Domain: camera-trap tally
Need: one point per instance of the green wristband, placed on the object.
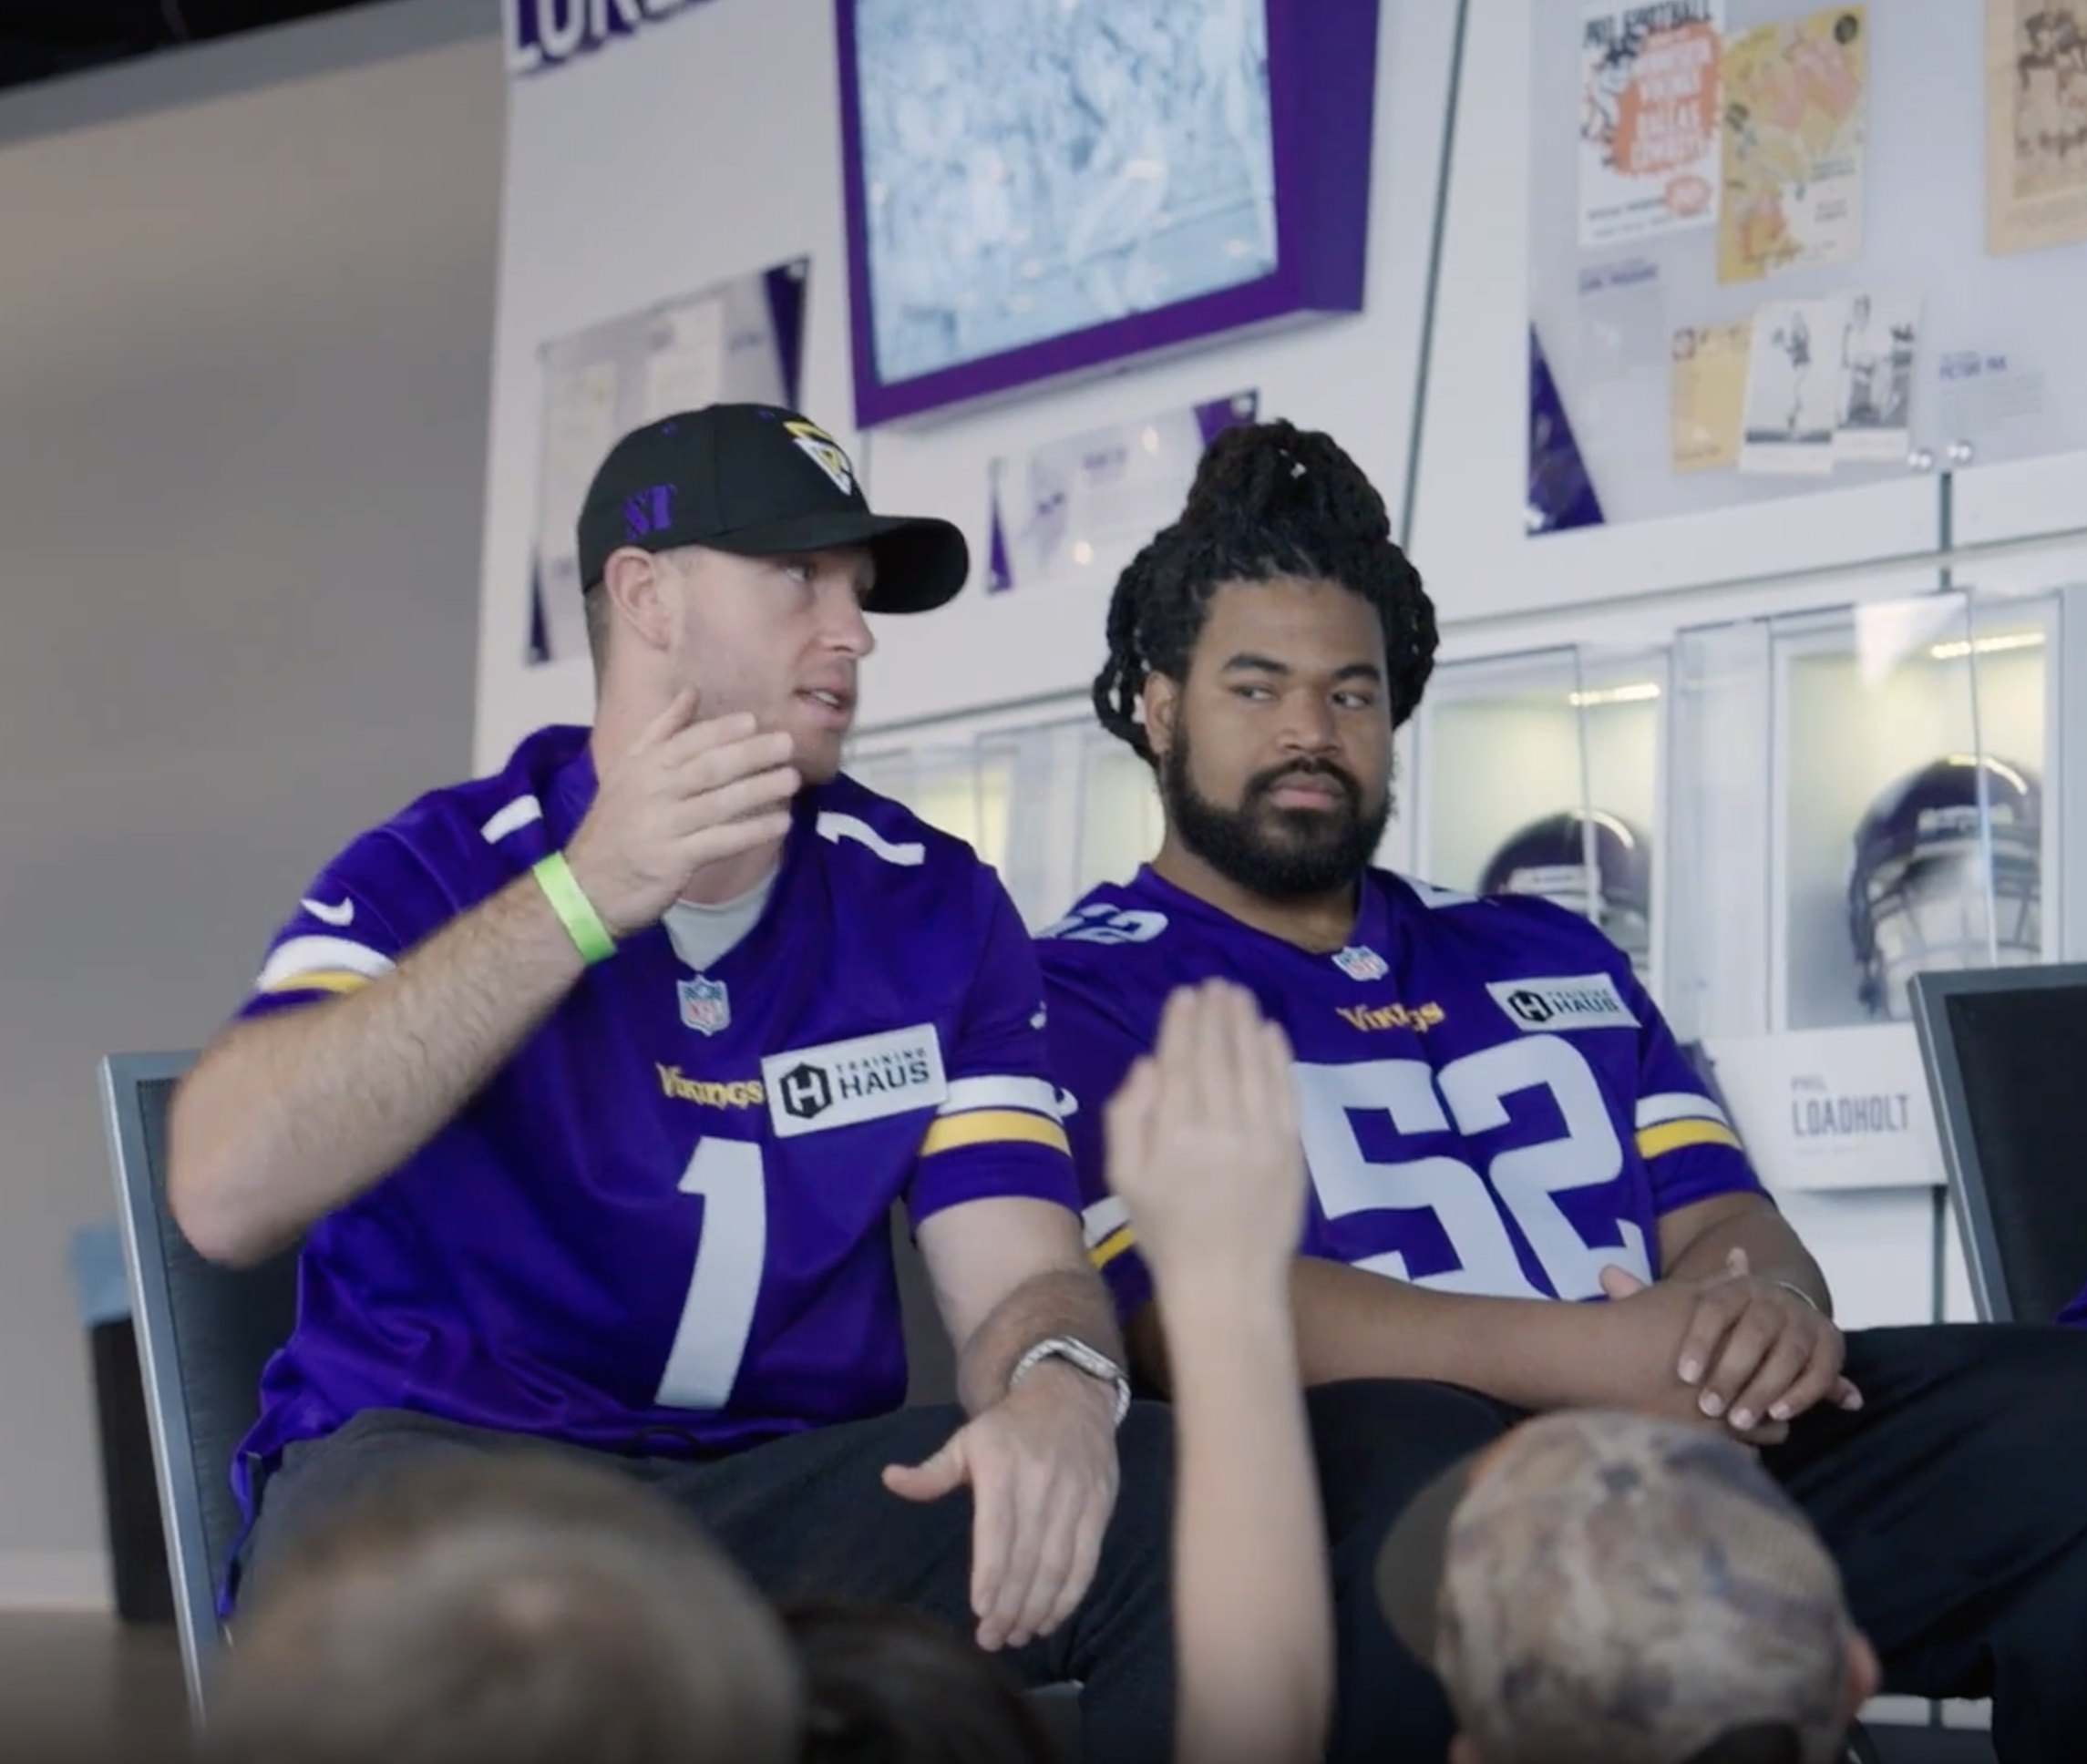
(569, 900)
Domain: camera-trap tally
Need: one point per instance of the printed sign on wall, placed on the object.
(543, 34)
(741, 342)
(1832, 1108)
(1088, 502)
(1648, 123)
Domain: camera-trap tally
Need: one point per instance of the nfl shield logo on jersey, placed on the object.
(704, 1006)
(1361, 964)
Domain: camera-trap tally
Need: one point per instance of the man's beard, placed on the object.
(1279, 854)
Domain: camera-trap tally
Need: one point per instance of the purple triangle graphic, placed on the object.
(1561, 495)
(785, 287)
(999, 575)
(538, 626)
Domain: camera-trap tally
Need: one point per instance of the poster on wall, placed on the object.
(1709, 393)
(737, 340)
(1829, 383)
(1087, 502)
(2036, 124)
(1793, 386)
(1880, 343)
(1794, 107)
(1647, 121)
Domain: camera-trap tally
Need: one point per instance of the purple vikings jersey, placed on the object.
(663, 1226)
(1489, 1102)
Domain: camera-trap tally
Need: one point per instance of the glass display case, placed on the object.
(1120, 819)
(1541, 774)
(1861, 792)
(1914, 826)
(1050, 800)
(956, 784)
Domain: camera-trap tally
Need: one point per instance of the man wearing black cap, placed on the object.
(589, 1087)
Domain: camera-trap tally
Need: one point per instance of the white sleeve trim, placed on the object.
(1678, 1105)
(1105, 1217)
(318, 955)
(834, 827)
(1035, 1094)
(515, 817)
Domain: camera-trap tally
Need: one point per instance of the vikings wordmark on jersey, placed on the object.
(1490, 1102)
(663, 1224)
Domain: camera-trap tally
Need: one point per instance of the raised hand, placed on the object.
(686, 793)
(1203, 1143)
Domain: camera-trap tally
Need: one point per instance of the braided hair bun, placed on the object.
(1270, 499)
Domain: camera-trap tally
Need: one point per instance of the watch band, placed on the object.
(1080, 1358)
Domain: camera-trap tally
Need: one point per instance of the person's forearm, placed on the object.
(1059, 1303)
(1773, 1252)
(1253, 1601)
(1071, 1302)
(288, 1117)
(1535, 1353)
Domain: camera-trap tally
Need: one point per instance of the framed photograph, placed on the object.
(1036, 190)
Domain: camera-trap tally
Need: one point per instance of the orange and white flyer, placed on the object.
(1648, 118)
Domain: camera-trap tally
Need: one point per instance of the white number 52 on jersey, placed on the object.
(1469, 1096)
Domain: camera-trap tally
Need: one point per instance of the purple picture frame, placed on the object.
(1322, 62)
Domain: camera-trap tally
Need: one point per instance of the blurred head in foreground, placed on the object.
(891, 1687)
(524, 1609)
(1619, 1590)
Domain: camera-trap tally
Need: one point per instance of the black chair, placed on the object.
(2002, 1048)
(204, 1334)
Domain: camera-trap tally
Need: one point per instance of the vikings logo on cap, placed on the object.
(824, 452)
(706, 1006)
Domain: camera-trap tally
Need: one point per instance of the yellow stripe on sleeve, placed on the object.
(1673, 1136)
(320, 980)
(1111, 1247)
(993, 1127)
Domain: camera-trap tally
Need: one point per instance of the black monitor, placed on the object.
(2006, 1054)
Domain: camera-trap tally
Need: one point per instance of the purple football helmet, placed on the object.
(1916, 895)
(1549, 857)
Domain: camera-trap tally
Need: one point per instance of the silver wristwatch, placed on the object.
(1090, 1360)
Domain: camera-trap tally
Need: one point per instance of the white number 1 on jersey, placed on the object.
(717, 1316)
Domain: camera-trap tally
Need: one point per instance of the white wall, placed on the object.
(245, 323)
(724, 118)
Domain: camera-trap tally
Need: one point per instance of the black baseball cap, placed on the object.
(760, 481)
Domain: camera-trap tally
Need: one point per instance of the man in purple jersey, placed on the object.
(1495, 1119)
(588, 1088)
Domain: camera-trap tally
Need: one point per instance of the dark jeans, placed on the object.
(1953, 1500)
(809, 1516)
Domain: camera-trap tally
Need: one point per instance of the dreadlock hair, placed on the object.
(1270, 499)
